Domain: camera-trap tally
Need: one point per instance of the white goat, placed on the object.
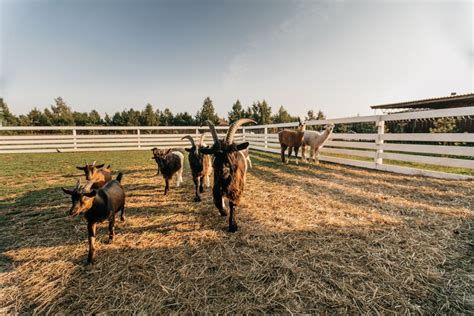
(316, 141)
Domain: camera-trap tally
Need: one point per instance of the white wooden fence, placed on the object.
(459, 152)
(360, 150)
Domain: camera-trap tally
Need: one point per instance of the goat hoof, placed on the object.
(197, 199)
(201, 190)
(122, 219)
(223, 213)
(110, 241)
(233, 228)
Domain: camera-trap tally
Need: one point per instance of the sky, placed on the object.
(337, 56)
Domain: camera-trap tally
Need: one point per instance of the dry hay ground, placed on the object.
(312, 239)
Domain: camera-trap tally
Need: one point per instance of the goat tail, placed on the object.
(119, 177)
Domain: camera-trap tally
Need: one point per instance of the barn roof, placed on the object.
(452, 101)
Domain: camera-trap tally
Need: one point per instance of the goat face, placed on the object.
(224, 158)
(82, 199)
(159, 156)
(91, 170)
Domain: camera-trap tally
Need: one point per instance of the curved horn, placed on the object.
(94, 162)
(201, 139)
(233, 128)
(190, 139)
(213, 131)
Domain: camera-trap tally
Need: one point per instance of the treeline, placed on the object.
(60, 114)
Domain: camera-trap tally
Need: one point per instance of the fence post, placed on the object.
(243, 134)
(266, 137)
(139, 139)
(74, 137)
(379, 142)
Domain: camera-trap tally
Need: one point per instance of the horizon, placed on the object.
(338, 57)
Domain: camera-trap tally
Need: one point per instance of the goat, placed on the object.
(96, 174)
(200, 165)
(98, 206)
(169, 163)
(230, 168)
(316, 141)
(291, 139)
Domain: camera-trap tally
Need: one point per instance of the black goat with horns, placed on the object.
(230, 168)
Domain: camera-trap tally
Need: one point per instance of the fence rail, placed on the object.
(367, 150)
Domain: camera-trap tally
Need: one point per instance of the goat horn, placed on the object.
(94, 163)
(213, 131)
(190, 139)
(78, 183)
(229, 138)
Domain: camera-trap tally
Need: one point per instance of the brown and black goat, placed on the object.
(291, 139)
(98, 206)
(96, 174)
(230, 168)
(200, 165)
(169, 163)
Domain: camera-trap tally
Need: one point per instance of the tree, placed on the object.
(237, 112)
(95, 119)
(282, 116)
(8, 117)
(183, 119)
(131, 117)
(207, 112)
(118, 120)
(319, 116)
(61, 114)
(148, 116)
(261, 112)
(81, 118)
(107, 120)
(166, 117)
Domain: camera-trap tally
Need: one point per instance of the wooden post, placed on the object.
(266, 137)
(139, 139)
(74, 137)
(379, 142)
(243, 134)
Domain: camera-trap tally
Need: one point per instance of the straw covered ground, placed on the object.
(325, 238)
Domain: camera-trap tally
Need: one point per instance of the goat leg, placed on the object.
(91, 231)
(122, 213)
(219, 201)
(196, 188)
(111, 229)
(232, 223)
(167, 185)
(201, 184)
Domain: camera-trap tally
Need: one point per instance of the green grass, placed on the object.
(463, 171)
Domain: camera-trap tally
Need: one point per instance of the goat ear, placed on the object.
(69, 192)
(167, 151)
(243, 146)
(206, 151)
(81, 168)
(100, 166)
(188, 149)
(91, 193)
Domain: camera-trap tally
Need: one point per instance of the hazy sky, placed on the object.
(338, 56)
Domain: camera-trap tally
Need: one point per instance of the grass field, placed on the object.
(327, 238)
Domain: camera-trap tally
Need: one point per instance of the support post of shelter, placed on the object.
(379, 141)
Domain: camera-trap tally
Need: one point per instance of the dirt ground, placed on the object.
(311, 239)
